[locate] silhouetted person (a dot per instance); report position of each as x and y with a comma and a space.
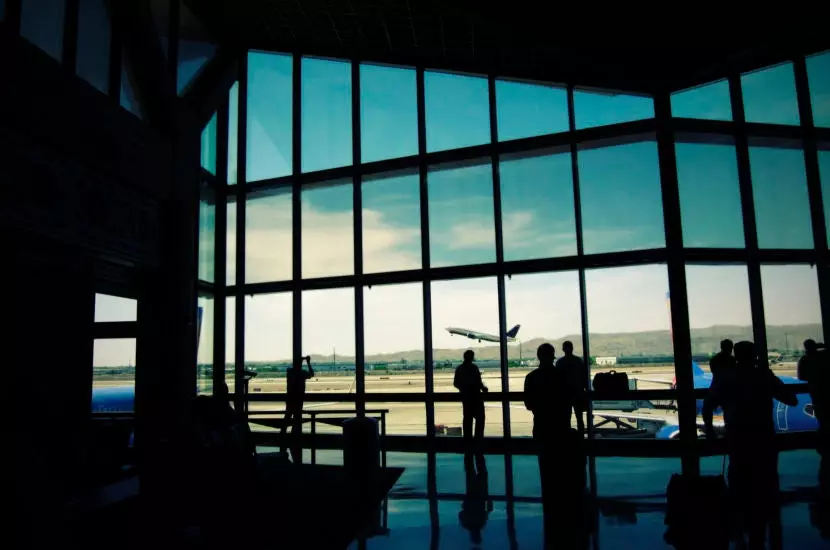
576, 377
468, 382
295, 393
746, 397
477, 505
723, 360
561, 452
814, 368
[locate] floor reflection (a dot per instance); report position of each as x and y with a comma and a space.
629, 504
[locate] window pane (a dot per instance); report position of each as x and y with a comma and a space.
769, 95
546, 307
537, 205
195, 49
204, 345
129, 90
457, 111
466, 306
209, 145
526, 110
718, 308
41, 23
328, 336
230, 342
327, 114
710, 198
207, 232
268, 241
394, 352
115, 308
601, 108
621, 198
824, 174
792, 311
269, 131
328, 229
113, 375
630, 330
230, 243
94, 44
391, 222
709, 101
782, 207
461, 222
388, 113
233, 132
268, 340
818, 74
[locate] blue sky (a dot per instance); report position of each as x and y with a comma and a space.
620, 195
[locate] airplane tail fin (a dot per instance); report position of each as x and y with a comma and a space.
513, 331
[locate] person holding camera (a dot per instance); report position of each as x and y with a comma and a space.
295, 392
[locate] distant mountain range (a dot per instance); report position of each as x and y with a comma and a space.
650, 343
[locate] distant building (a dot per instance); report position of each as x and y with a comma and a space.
606, 360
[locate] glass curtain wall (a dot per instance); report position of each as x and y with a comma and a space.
385, 242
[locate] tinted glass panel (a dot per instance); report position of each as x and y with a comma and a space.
710, 199
782, 208
769, 95
621, 198
601, 108
537, 199
230, 270
388, 113
204, 345
461, 224
630, 330
269, 116
233, 132
113, 375
526, 110
465, 307
327, 114
268, 254
209, 145
115, 308
207, 235
328, 230
824, 173
818, 74
457, 111
268, 339
328, 336
41, 23
195, 49
792, 312
391, 223
709, 101
718, 308
546, 308
394, 341
93, 43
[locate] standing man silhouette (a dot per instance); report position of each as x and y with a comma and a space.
468, 382
295, 392
575, 376
723, 360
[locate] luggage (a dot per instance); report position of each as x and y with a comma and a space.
613, 383
697, 512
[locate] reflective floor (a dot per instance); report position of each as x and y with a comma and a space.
630, 496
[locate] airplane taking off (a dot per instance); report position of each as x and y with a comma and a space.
510, 335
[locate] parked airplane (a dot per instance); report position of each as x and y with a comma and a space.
510, 335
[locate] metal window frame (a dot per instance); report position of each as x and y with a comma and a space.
667, 131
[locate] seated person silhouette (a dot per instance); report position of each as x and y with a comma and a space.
746, 395
295, 393
477, 504
468, 382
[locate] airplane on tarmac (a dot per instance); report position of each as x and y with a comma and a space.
510, 335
